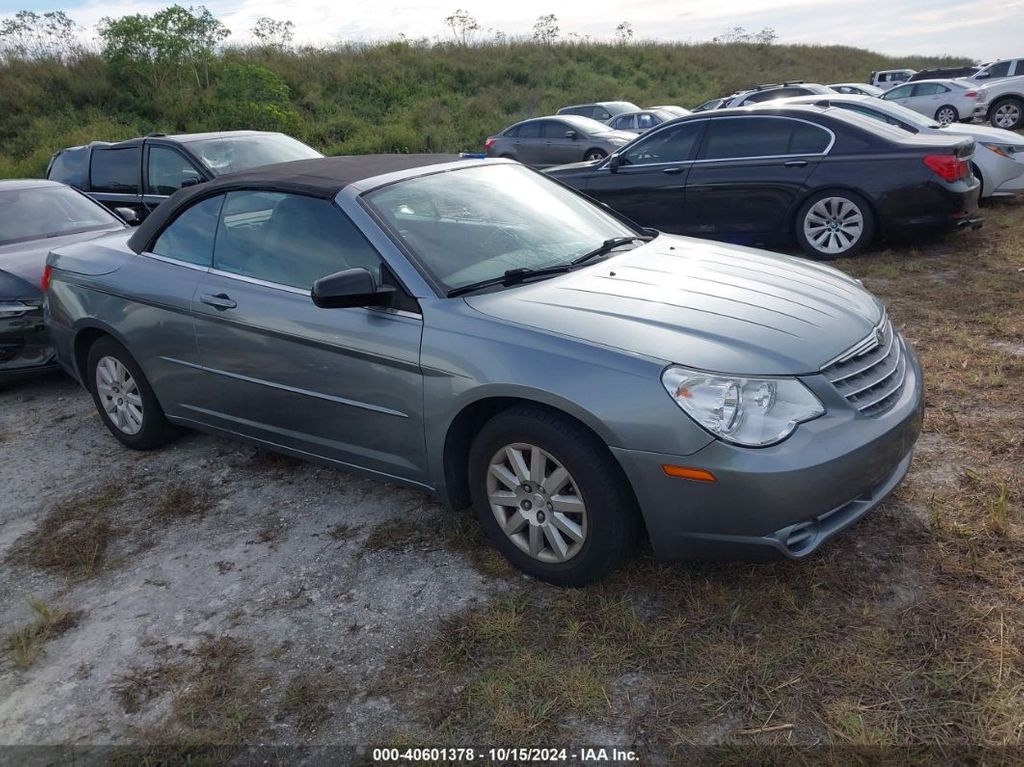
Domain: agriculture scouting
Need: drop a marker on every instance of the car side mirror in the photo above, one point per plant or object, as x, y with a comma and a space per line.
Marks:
614, 162
350, 288
570, 134
129, 215
190, 181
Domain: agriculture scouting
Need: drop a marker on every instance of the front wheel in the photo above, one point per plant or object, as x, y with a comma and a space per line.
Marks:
833, 224
551, 497
1007, 114
124, 399
595, 154
947, 115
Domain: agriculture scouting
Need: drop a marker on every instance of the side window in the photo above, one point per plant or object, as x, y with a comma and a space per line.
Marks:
808, 139
288, 239
601, 114
115, 170
645, 121
901, 92
189, 237
167, 170
512, 132
553, 129
673, 144
929, 89
1002, 69
529, 130
68, 167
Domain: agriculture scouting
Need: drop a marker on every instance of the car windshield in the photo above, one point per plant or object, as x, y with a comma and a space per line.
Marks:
48, 211
228, 154
477, 223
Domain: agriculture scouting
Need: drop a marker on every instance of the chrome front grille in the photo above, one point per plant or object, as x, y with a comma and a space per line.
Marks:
871, 374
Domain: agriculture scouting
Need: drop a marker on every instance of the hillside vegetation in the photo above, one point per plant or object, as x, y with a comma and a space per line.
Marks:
392, 97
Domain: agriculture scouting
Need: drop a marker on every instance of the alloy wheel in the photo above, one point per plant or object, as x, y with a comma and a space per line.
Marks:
833, 225
119, 395
536, 503
1007, 115
946, 116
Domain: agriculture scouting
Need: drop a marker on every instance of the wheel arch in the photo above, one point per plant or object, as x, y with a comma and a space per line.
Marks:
467, 423
1018, 97
87, 333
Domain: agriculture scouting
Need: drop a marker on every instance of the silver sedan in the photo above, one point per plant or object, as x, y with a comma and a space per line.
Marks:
481, 332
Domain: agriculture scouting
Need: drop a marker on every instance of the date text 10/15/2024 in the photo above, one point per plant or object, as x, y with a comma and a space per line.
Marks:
502, 754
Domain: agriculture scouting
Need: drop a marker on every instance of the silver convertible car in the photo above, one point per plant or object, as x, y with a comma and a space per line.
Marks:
477, 330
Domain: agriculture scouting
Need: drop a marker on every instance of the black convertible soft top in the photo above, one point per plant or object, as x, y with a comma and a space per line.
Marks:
320, 177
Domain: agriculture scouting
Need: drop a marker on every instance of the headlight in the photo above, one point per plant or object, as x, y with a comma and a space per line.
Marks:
753, 412
1006, 150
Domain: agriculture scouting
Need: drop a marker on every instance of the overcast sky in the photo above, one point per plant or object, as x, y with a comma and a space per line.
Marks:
979, 29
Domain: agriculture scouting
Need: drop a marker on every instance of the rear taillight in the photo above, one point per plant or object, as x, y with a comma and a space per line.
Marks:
947, 166
971, 94
47, 277
489, 142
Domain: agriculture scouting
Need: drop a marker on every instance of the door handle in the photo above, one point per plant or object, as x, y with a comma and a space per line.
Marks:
221, 301
671, 171
795, 163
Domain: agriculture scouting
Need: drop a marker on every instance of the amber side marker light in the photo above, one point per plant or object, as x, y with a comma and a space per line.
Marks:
685, 472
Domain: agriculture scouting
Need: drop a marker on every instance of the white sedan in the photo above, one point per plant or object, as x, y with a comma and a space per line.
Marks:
948, 101
998, 157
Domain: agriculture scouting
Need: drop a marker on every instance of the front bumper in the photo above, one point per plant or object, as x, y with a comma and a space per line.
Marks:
782, 501
25, 347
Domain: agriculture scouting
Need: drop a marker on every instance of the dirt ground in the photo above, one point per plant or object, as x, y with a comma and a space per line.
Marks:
211, 593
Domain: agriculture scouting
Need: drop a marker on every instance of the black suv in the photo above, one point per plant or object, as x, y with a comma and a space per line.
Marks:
142, 172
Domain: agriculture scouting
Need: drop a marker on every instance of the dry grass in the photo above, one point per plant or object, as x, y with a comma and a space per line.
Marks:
73, 538
905, 630
26, 644
308, 699
183, 500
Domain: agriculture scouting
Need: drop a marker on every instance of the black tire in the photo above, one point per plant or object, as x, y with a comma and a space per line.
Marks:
594, 154
612, 518
1008, 111
981, 181
866, 235
155, 430
949, 112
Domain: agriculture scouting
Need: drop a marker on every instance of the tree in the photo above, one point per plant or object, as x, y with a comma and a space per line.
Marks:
766, 36
463, 26
176, 40
253, 97
624, 32
273, 33
30, 35
545, 29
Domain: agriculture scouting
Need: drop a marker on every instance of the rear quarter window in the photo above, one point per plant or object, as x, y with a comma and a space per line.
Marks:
115, 170
69, 167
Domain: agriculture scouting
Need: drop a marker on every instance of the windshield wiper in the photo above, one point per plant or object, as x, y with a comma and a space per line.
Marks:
510, 277
517, 276
608, 246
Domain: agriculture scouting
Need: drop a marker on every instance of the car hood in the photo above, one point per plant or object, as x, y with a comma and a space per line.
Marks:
22, 263
713, 307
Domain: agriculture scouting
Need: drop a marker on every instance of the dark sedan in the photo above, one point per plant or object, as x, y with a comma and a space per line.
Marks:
829, 179
34, 217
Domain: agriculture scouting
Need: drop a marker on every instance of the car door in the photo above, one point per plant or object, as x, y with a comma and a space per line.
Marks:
560, 148
646, 182
928, 97
624, 122
528, 143
115, 177
750, 172
344, 384
902, 95
165, 170
159, 329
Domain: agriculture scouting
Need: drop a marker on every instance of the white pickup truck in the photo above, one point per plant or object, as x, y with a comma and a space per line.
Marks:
1002, 103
